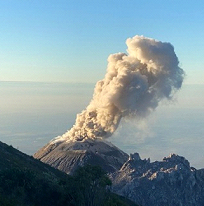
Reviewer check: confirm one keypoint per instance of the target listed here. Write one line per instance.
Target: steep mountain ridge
(168, 182)
(11, 158)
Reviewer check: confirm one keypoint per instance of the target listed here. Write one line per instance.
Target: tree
(91, 186)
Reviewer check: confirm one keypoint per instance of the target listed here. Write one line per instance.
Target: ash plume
(134, 85)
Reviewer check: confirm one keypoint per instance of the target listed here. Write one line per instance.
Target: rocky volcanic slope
(68, 156)
(170, 182)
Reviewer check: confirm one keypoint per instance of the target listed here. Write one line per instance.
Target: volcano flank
(134, 85)
(68, 156)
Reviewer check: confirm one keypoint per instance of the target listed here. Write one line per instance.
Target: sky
(70, 41)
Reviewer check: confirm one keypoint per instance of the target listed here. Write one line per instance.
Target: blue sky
(70, 41)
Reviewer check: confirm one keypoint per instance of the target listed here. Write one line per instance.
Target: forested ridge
(27, 181)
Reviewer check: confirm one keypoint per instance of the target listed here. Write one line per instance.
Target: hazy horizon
(47, 44)
(34, 113)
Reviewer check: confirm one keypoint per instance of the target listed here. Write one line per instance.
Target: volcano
(134, 85)
(68, 156)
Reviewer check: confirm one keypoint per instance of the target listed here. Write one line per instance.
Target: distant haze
(34, 113)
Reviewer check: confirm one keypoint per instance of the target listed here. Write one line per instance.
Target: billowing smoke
(134, 84)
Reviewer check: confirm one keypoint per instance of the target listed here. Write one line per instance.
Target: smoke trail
(134, 85)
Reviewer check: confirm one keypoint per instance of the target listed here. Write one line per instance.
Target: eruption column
(134, 84)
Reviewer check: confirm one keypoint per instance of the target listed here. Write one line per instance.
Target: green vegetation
(25, 181)
(88, 187)
(91, 186)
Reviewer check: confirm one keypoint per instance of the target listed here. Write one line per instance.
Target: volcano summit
(133, 86)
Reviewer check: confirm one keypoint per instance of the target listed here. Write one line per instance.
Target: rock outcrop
(170, 182)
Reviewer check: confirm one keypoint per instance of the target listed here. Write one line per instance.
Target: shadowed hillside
(25, 181)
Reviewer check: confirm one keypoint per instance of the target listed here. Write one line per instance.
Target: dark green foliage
(91, 186)
(25, 187)
(4, 201)
(25, 181)
(115, 200)
(88, 187)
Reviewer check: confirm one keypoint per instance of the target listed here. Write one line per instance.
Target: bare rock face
(169, 182)
(68, 156)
